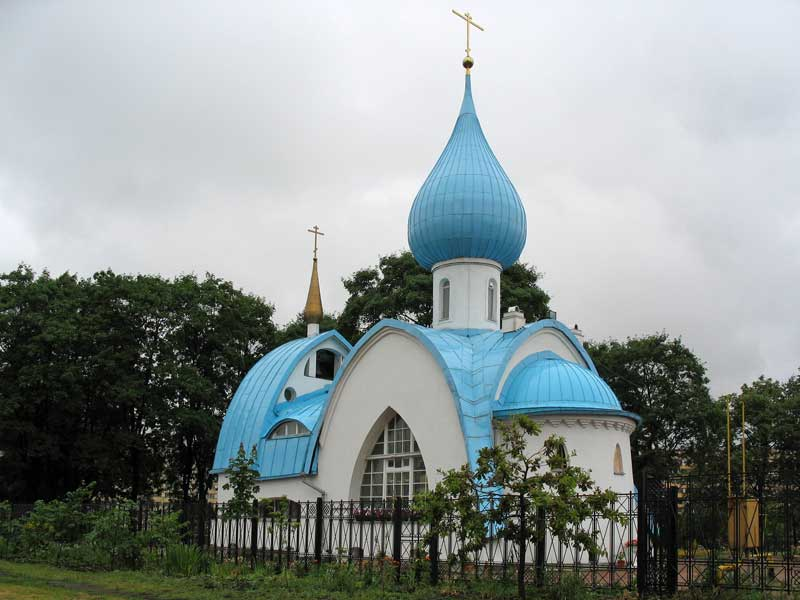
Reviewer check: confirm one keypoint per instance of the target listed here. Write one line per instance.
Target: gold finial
(313, 309)
(468, 62)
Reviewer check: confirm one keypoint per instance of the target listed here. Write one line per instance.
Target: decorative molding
(587, 422)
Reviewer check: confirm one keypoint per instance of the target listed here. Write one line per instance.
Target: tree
(539, 491)
(772, 432)
(242, 476)
(398, 288)
(665, 383)
(119, 379)
(216, 335)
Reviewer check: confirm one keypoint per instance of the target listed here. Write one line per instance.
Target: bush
(113, 535)
(185, 561)
(569, 587)
(163, 530)
(340, 577)
(60, 521)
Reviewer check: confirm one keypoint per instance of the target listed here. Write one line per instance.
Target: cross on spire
(315, 230)
(468, 18)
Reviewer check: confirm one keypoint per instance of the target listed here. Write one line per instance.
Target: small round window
(289, 394)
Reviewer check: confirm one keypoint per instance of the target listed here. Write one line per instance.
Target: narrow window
(491, 302)
(563, 456)
(326, 364)
(445, 300)
(618, 461)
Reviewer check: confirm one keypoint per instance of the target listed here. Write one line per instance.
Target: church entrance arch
(394, 466)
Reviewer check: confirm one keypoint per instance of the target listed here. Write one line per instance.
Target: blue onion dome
(544, 383)
(467, 207)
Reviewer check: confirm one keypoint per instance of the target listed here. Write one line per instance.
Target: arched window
(394, 467)
(491, 300)
(326, 364)
(561, 452)
(618, 470)
(289, 429)
(444, 300)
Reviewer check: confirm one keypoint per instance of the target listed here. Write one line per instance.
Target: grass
(27, 581)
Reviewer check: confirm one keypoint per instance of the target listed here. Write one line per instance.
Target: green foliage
(119, 379)
(772, 427)
(568, 587)
(398, 288)
(58, 521)
(242, 478)
(113, 534)
(185, 560)
(665, 383)
(163, 530)
(541, 491)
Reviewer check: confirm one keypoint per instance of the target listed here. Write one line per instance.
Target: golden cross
(468, 18)
(316, 233)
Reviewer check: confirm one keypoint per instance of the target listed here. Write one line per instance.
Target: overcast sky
(656, 147)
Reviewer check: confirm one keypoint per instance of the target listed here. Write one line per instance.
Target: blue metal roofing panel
(253, 407)
(467, 206)
(283, 457)
(546, 382)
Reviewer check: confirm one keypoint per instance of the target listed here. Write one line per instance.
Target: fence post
(254, 535)
(642, 543)
(433, 554)
(541, 545)
(318, 524)
(397, 531)
(672, 541)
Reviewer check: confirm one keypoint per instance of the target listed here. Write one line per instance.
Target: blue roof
(467, 206)
(472, 362)
(546, 383)
(254, 410)
(286, 456)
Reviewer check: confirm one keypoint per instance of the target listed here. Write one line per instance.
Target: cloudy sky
(656, 147)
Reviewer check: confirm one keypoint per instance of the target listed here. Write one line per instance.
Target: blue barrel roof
(467, 207)
(252, 412)
(545, 382)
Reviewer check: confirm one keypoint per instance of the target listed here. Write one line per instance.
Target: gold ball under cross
(468, 62)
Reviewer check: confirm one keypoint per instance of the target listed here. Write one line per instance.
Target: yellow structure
(743, 524)
(743, 512)
(313, 309)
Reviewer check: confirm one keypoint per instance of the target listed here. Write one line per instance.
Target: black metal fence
(670, 535)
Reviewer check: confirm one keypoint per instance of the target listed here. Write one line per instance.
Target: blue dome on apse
(544, 382)
(467, 207)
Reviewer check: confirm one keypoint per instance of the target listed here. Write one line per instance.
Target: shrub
(340, 577)
(163, 530)
(113, 535)
(60, 521)
(569, 587)
(185, 560)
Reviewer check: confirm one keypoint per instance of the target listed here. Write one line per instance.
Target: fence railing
(670, 535)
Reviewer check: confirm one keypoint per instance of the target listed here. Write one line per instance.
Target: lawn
(27, 581)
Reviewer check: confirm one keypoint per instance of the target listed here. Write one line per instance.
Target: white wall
(293, 488)
(593, 439)
(469, 280)
(395, 371)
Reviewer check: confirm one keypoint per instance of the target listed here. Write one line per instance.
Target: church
(380, 419)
